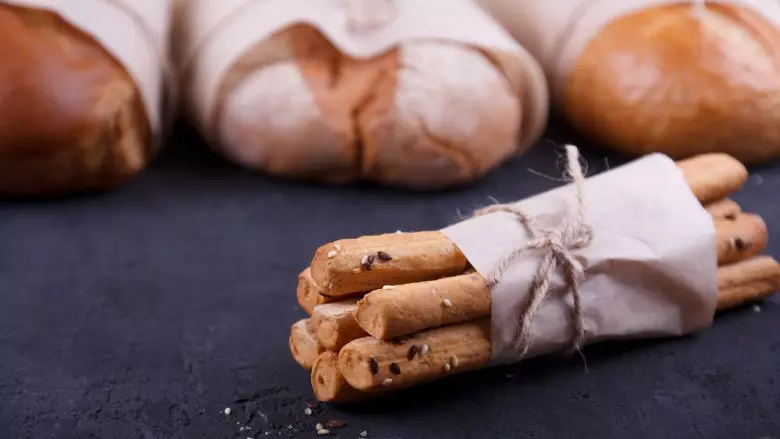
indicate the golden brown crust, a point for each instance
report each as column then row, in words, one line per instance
column 329, row 384
column 343, row 267
column 335, row 324
column 303, row 343
column 72, row 116
column 713, row 176
column 370, row 364
column 724, row 209
column 746, row 281
column 406, row 309
column 667, row 80
column 741, row 237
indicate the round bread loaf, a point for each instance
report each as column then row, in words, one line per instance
column 682, row 81
column 71, row 118
column 427, row 115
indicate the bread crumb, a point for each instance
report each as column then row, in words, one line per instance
column 323, row 431
column 756, row 308
column 307, row 410
column 227, row 410
column 363, row 433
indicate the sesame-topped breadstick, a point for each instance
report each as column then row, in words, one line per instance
column 369, row 364
column 370, row 262
column 329, row 384
column 399, row 310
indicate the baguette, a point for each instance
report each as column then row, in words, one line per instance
column 368, row 364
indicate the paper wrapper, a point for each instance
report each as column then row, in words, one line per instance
column 556, row 32
column 212, row 34
column 650, row 270
column 135, row 32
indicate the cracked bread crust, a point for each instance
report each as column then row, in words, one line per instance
column 72, row 117
column 426, row 115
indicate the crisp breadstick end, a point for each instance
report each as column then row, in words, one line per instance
column 328, row 383
column 304, row 346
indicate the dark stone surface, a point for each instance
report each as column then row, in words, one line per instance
column 146, row 312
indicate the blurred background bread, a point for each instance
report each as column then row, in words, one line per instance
column 682, row 80
column 426, row 115
column 71, row 117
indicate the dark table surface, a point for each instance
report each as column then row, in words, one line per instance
column 144, row 313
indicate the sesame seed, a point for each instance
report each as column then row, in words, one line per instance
column 731, row 217
column 446, row 367
column 413, row 350
column 370, row 259
column 364, row 260
column 307, row 411
column 454, row 361
column 756, row 308
column 332, row 254
column 398, row 232
column 373, row 366
column 384, row 256
column 395, row 368
column 363, row 433
column 338, row 247
column 740, row 244
column 424, row 350
column 319, row 426
column 387, row 382
column 387, row 287
column 227, row 410
column 323, row 431
column 447, row 303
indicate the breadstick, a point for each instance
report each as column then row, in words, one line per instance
column 368, row 363
column 335, row 324
column 747, row 281
column 303, row 344
column 405, row 309
column 369, row 262
column 329, row 384
column 743, row 236
column 308, row 292
column 713, row 176
column 725, row 208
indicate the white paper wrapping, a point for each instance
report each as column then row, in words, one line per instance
column 557, row 31
column 135, row 32
column 650, row 270
column 212, row 34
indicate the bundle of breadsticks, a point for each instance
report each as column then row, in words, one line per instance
column 662, row 252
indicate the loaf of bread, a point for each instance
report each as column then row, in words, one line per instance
column 74, row 115
column 405, row 105
column 641, row 76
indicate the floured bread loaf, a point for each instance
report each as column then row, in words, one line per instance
column 424, row 113
column 427, row 115
column 72, row 117
column 646, row 76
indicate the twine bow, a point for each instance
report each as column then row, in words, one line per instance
column 559, row 243
column 366, row 15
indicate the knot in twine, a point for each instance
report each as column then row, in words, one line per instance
column 558, row 243
column 367, row 15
